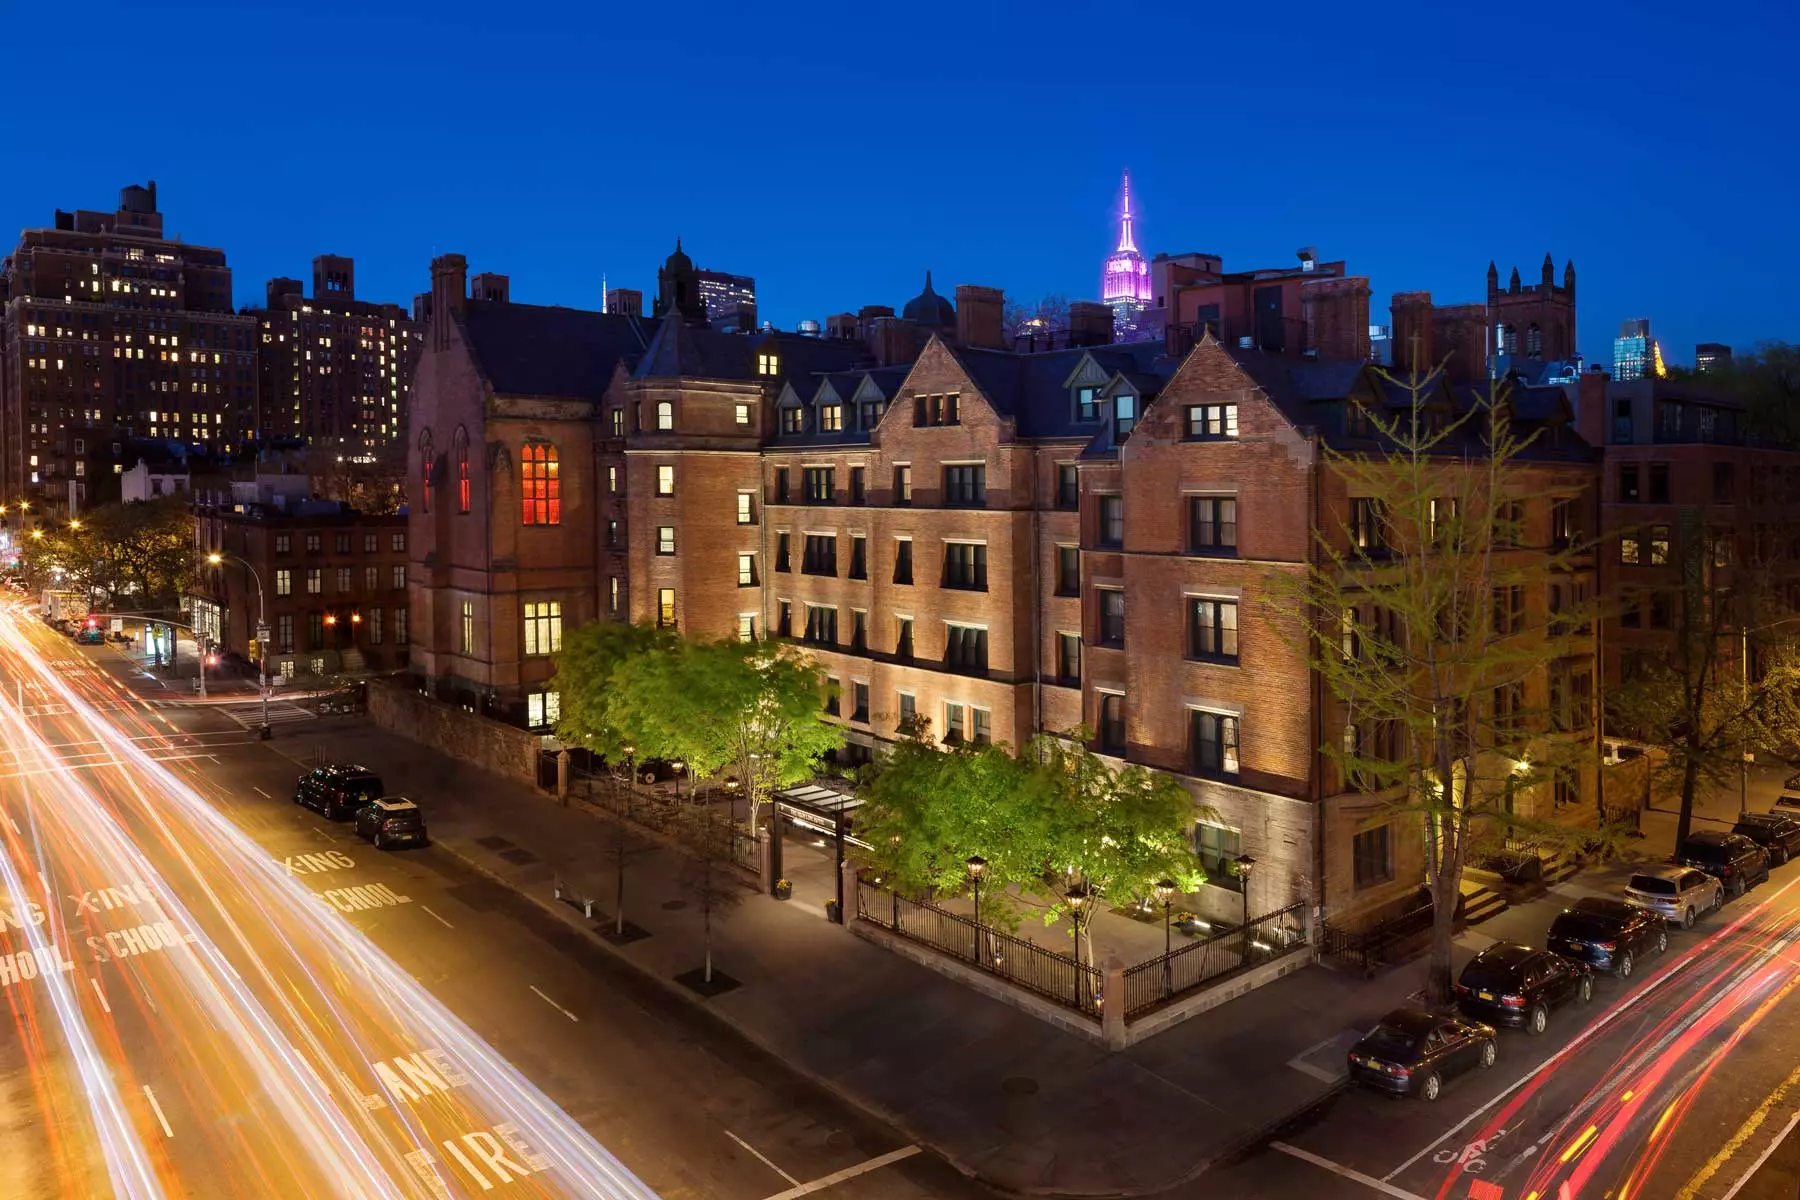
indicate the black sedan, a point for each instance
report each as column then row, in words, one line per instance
column 1412, row 1052
column 1517, row 986
column 1607, row 935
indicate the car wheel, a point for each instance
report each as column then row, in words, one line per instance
column 1430, row 1086
column 1584, row 991
column 1737, row 888
column 1537, row 1020
column 1624, row 965
column 1687, row 918
column 1489, row 1052
column 1662, row 940
column 381, row 841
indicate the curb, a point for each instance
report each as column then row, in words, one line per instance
column 876, row 1113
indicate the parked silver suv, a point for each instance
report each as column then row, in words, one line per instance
column 1678, row 893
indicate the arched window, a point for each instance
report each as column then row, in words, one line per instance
column 665, row 415
column 425, row 471
column 540, row 488
column 1509, row 339
column 1534, row 341
column 462, row 470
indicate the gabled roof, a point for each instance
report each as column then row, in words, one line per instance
column 1033, row 388
column 534, row 350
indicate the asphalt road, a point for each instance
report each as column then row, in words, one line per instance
column 215, row 992
column 1682, row 1084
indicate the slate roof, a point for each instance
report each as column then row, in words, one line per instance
column 533, row 350
column 1030, row 388
column 845, row 385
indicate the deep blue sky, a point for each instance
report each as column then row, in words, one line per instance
column 836, row 151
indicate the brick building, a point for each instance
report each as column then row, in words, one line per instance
column 110, row 330
column 1518, row 324
column 335, row 371
column 1679, row 462
column 994, row 542
column 334, row 581
column 1312, row 307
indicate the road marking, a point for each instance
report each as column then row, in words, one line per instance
column 761, row 1158
column 157, row 1109
column 1763, row 1157
column 440, row 920
column 553, row 1004
column 261, row 793
column 104, row 1006
column 1745, row 1131
column 1368, row 1181
column 1583, row 1036
column 323, row 834
column 1299, row 1063
column 837, row 1177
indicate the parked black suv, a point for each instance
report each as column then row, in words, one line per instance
column 1607, row 935
column 338, row 790
column 391, row 821
column 1735, row 860
column 1412, row 1051
column 1517, row 986
column 1778, row 833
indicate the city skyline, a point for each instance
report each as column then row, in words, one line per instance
column 531, row 183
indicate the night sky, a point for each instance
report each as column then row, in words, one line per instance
column 837, row 151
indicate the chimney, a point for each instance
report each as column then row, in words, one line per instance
column 1090, row 324
column 489, row 286
column 449, row 295
column 1411, row 312
column 841, row 325
column 1591, row 407
column 893, row 340
column 277, row 288
column 979, row 316
column 866, row 317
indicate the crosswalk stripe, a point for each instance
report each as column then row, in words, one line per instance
column 250, row 716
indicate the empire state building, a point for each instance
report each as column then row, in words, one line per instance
column 1125, row 277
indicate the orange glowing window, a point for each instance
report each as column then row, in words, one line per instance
column 540, row 488
column 462, row 473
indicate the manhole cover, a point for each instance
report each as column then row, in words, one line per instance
column 672, row 905
column 518, row 855
column 493, row 842
column 839, row 1139
column 1019, row 1085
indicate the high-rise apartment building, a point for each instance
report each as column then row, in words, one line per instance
column 335, row 370
column 1711, row 356
column 113, row 331
column 1635, row 352
column 730, row 300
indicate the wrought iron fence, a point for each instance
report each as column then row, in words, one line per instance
column 1151, row 984
column 1055, row 977
column 673, row 818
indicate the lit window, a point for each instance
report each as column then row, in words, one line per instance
column 541, row 486
column 543, row 709
column 665, row 607
column 468, row 627
column 463, row 487
column 665, row 481
column 665, row 415
column 746, row 512
column 768, row 364
column 743, row 414
column 543, row 627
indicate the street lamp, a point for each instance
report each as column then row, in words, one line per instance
column 262, row 634
column 977, row 868
column 1077, row 897
column 1165, row 893
column 1246, row 864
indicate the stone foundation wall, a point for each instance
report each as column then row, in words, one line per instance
column 463, row 736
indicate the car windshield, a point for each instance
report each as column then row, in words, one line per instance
column 364, row 789
column 1654, row 885
column 1386, row 1039
column 1582, row 925
column 1494, row 975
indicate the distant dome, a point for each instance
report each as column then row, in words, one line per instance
column 678, row 261
column 930, row 309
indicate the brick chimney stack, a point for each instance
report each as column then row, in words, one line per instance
column 980, row 320
column 449, row 294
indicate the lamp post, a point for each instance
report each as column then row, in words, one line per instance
column 1246, row 864
column 1077, row 898
column 262, row 633
column 677, row 766
column 977, row 866
column 1165, row 893
column 619, row 846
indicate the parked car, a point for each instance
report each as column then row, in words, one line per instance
column 1607, row 935
column 1778, row 833
column 1738, row 862
column 1517, row 986
column 1678, row 893
column 90, row 635
column 1788, row 802
column 1412, row 1052
column 338, row 790
column 391, row 821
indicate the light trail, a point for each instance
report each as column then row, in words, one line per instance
column 285, row 1030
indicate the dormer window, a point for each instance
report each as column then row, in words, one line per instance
column 1124, row 413
column 768, row 364
column 1087, row 404
column 831, row 418
column 793, row 419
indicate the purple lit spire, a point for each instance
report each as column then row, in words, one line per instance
column 1125, row 276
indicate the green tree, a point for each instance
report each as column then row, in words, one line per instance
column 1727, row 679
column 1413, row 616
column 706, row 875
column 592, row 716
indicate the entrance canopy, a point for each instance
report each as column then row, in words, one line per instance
column 820, row 809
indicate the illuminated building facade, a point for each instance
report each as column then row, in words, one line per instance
column 730, row 300
column 1125, row 276
column 1635, row 353
column 112, row 331
column 335, row 370
column 1711, row 356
